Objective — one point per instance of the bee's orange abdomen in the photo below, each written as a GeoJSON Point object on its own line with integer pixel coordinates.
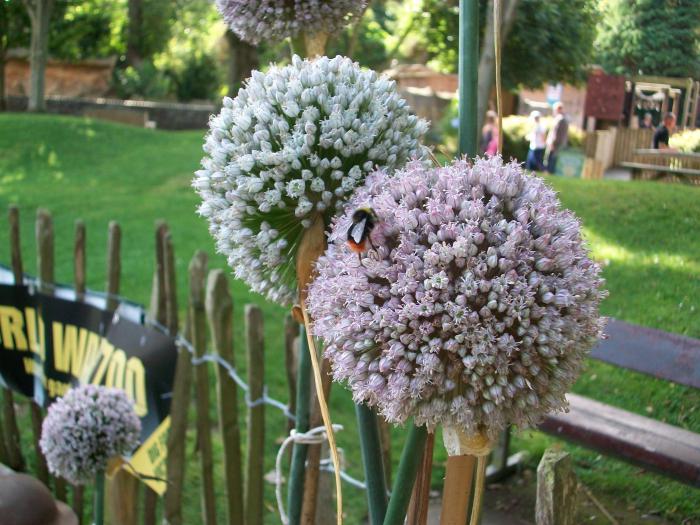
{"type": "Point", "coordinates": [358, 248]}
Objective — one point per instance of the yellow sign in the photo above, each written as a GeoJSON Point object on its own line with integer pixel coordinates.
{"type": "Point", "coordinates": [149, 459]}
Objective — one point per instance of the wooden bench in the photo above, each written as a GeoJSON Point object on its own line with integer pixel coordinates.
{"type": "Point", "coordinates": [659, 163]}
{"type": "Point", "coordinates": [645, 442]}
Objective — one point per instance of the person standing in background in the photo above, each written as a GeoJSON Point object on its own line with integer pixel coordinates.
{"type": "Point", "coordinates": [558, 136]}
{"type": "Point", "coordinates": [535, 156]}
{"type": "Point", "coordinates": [489, 132]}
{"type": "Point", "coordinates": [647, 122]}
{"type": "Point", "coordinates": [664, 131]}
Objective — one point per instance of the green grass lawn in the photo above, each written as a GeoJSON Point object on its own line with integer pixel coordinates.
{"type": "Point", "coordinates": [647, 235]}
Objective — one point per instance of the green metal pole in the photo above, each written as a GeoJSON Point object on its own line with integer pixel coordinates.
{"type": "Point", "coordinates": [296, 473]}
{"type": "Point", "coordinates": [468, 76]}
{"type": "Point", "coordinates": [411, 458]}
{"type": "Point", "coordinates": [98, 512]}
{"type": "Point", "coordinates": [373, 463]}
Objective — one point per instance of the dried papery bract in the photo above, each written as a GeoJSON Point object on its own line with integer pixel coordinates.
{"type": "Point", "coordinates": [258, 21]}
{"type": "Point", "coordinates": [293, 145]}
{"type": "Point", "coordinates": [477, 307]}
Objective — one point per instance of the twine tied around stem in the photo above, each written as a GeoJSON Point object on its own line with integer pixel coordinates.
{"type": "Point", "coordinates": [314, 436]}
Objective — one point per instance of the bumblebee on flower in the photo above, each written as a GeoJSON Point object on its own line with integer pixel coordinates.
{"type": "Point", "coordinates": [477, 310]}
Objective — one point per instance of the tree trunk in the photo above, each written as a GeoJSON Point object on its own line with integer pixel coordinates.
{"type": "Point", "coordinates": [39, 15]}
{"type": "Point", "coordinates": [355, 34]}
{"type": "Point", "coordinates": [134, 38]}
{"type": "Point", "coordinates": [487, 69]}
{"type": "Point", "coordinates": [243, 59]}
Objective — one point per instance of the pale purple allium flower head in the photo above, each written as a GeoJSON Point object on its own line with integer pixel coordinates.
{"type": "Point", "coordinates": [85, 428]}
{"type": "Point", "coordinates": [258, 21]}
{"type": "Point", "coordinates": [475, 310]}
{"type": "Point", "coordinates": [294, 144]}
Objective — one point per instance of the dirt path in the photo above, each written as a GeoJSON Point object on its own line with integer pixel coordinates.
{"type": "Point", "coordinates": [513, 503]}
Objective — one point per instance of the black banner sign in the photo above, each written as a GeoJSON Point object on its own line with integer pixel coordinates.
{"type": "Point", "coordinates": [49, 343]}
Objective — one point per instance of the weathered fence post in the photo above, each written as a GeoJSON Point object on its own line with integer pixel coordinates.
{"type": "Point", "coordinates": [158, 313]}
{"type": "Point", "coordinates": [122, 488]}
{"type": "Point", "coordinates": [79, 260]}
{"type": "Point", "coordinates": [79, 273]}
{"type": "Point", "coordinates": [3, 444]}
{"type": "Point", "coordinates": [220, 313]}
{"type": "Point", "coordinates": [114, 264]}
{"type": "Point", "coordinates": [256, 416]}
{"type": "Point", "coordinates": [418, 507]}
{"type": "Point", "coordinates": [197, 274]}
{"type": "Point", "coordinates": [179, 403]}
{"type": "Point", "coordinates": [44, 252]}
{"type": "Point", "coordinates": [313, 455]}
{"type": "Point", "coordinates": [14, 451]}
{"type": "Point", "coordinates": [557, 488]}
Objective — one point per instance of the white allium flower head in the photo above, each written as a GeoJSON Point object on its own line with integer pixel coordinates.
{"type": "Point", "coordinates": [294, 143]}
{"type": "Point", "coordinates": [256, 21]}
{"type": "Point", "coordinates": [475, 310]}
{"type": "Point", "coordinates": [85, 428]}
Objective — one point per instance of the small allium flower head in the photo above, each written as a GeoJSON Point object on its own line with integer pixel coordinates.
{"type": "Point", "coordinates": [475, 310]}
{"type": "Point", "coordinates": [85, 428]}
{"type": "Point", "coordinates": [256, 21]}
{"type": "Point", "coordinates": [295, 143]}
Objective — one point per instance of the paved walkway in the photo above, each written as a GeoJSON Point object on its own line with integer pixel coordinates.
{"type": "Point", "coordinates": [618, 174]}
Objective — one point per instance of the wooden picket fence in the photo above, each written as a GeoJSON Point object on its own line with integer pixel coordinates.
{"type": "Point", "coordinates": [208, 322]}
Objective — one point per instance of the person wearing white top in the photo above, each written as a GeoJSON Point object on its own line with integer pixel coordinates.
{"type": "Point", "coordinates": [537, 138]}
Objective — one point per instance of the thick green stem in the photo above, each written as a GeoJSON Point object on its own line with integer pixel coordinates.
{"type": "Point", "coordinates": [373, 463]}
{"type": "Point", "coordinates": [468, 76]}
{"type": "Point", "coordinates": [406, 476]}
{"type": "Point", "coordinates": [98, 510]}
{"type": "Point", "coordinates": [296, 474]}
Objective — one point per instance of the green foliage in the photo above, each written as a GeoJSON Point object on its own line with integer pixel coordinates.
{"type": "Point", "coordinates": [650, 37]}
{"type": "Point", "coordinates": [98, 171]}
{"type": "Point", "coordinates": [365, 42]}
{"type": "Point", "coordinates": [87, 29]}
{"type": "Point", "coordinates": [439, 28]}
{"type": "Point", "coordinates": [15, 29]}
{"type": "Point", "coordinates": [143, 82]}
{"type": "Point", "coordinates": [189, 57]}
{"type": "Point", "coordinates": [687, 141]}
{"type": "Point", "coordinates": [550, 40]}
{"type": "Point", "coordinates": [198, 79]}
{"type": "Point", "coordinates": [155, 30]}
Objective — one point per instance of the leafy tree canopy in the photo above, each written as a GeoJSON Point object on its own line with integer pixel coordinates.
{"type": "Point", "coordinates": [650, 37]}
{"type": "Point", "coordinates": [550, 40]}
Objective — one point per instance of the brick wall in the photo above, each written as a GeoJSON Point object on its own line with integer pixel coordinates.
{"type": "Point", "coordinates": [88, 78]}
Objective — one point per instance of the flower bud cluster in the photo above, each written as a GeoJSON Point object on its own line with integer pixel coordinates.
{"type": "Point", "coordinates": [295, 143]}
{"type": "Point", "coordinates": [258, 21]}
{"type": "Point", "coordinates": [477, 306]}
{"type": "Point", "coordinates": [85, 428]}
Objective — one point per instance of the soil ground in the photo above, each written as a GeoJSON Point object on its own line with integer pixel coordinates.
{"type": "Point", "coordinates": [512, 502]}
